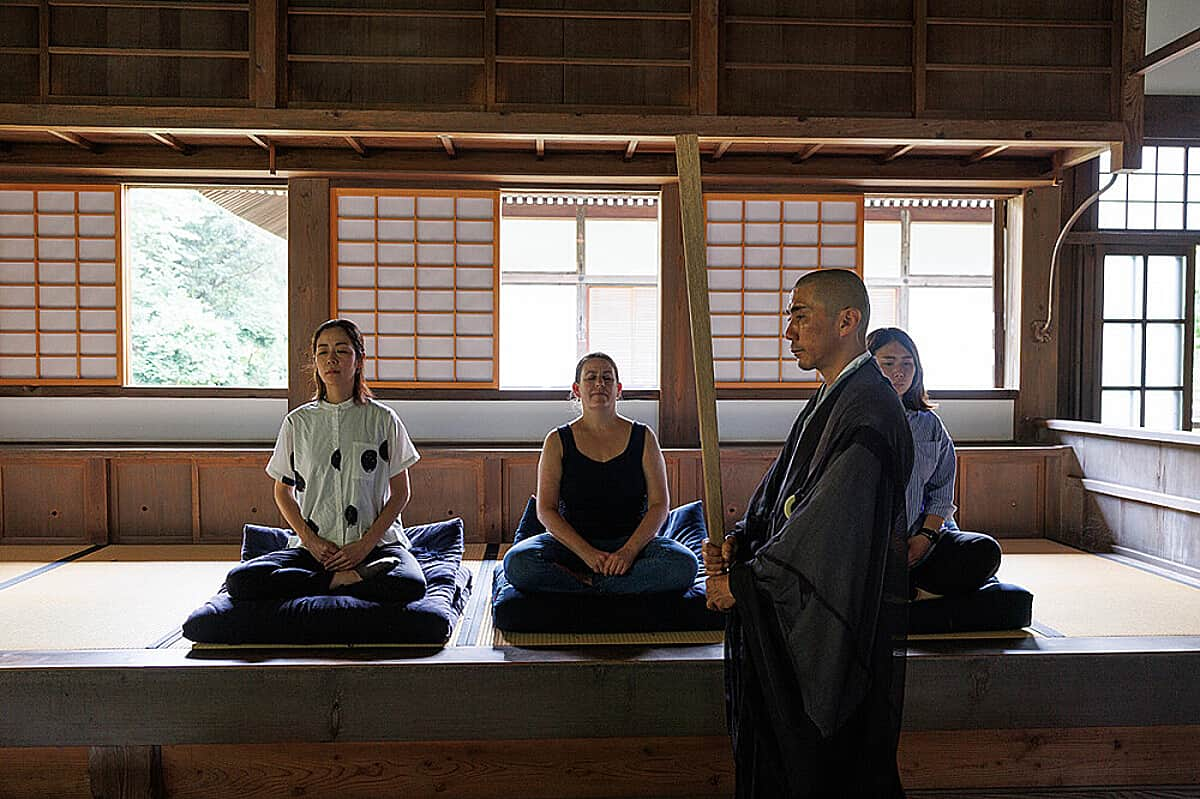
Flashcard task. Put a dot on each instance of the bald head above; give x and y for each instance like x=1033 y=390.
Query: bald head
x=837 y=289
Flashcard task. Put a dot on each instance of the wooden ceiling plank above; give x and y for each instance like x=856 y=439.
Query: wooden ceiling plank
x=878 y=132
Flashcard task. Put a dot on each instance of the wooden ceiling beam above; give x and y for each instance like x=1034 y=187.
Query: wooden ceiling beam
x=807 y=152
x=76 y=140
x=261 y=141
x=1074 y=156
x=722 y=148
x=448 y=145
x=630 y=149
x=881 y=132
x=1169 y=52
x=539 y=147
x=32 y=160
x=172 y=142
x=357 y=146
x=987 y=152
x=896 y=152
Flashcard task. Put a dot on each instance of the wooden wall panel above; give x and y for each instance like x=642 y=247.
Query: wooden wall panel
x=447 y=486
x=152 y=502
x=233 y=494
x=205 y=496
x=1002 y=496
x=519 y=476
x=43 y=502
x=44 y=772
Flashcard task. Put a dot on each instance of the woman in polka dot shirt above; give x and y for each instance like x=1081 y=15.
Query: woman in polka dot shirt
x=341 y=479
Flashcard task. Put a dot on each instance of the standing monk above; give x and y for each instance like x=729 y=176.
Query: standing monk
x=816 y=575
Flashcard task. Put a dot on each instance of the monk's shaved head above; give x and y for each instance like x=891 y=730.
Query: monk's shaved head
x=836 y=290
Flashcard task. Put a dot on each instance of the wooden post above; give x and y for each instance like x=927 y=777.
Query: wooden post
x=691 y=208
x=308 y=277
x=1038 y=397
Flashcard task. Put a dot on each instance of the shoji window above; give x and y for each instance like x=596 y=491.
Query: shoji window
x=60 y=285
x=418 y=272
x=758 y=245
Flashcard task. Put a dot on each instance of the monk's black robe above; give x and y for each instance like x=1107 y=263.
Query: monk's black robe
x=814 y=650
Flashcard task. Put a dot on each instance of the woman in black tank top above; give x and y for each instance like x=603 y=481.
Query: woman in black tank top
x=602 y=496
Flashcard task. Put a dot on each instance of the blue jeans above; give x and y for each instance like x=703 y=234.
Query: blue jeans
x=543 y=564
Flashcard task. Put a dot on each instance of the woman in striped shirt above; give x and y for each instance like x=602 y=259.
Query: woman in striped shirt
x=943 y=559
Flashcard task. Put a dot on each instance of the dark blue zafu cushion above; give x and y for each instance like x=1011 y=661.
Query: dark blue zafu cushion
x=995 y=606
x=340 y=619
x=515 y=611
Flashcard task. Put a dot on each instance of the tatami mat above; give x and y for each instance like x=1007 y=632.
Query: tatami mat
x=19 y=559
x=1080 y=594
x=115 y=598
x=119 y=597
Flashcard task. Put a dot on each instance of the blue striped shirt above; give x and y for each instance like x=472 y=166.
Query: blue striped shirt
x=931 y=486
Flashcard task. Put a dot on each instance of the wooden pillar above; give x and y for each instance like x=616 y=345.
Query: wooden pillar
x=1129 y=17
x=125 y=772
x=308 y=278
x=95 y=499
x=1038 y=228
x=678 y=423
x=691 y=208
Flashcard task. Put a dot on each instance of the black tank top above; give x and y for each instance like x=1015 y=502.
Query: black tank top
x=603 y=500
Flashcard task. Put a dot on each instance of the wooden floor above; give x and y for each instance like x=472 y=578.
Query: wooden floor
x=1082 y=705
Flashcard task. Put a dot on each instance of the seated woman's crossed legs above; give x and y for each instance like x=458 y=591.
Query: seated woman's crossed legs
x=543 y=564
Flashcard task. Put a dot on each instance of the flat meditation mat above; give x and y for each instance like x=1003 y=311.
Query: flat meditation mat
x=20 y=559
x=119 y=597
x=676 y=637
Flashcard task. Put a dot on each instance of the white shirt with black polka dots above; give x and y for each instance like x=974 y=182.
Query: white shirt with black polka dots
x=340 y=459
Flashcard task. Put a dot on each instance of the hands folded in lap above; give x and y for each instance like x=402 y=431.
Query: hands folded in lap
x=610 y=564
x=335 y=558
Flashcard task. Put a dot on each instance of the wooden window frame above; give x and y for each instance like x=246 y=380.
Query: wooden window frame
x=1145 y=244
x=417 y=194
x=1190 y=151
x=118 y=331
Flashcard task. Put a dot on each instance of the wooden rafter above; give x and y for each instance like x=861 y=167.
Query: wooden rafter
x=722 y=148
x=1185 y=44
x=448 y=145
x=261 y=141
x=75 y=139
x=987 y=152
x=896 y=152
x=807 y=152
x=630 y=149
x=357 y=146
x=540 y=147
x=172 y=142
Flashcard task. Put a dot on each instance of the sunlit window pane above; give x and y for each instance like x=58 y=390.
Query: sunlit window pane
x=1164 y=355
x=1120 y=408
x=881 y=249
x=1193 y=216
x=951 y=248
x=1163 y=409
x=623 y=322
x=1123 y=287
x=1140 y=216
x=537 y=336
x=1112 y=215
x=537 y=245
x=1170 y=160
x=621 y=246
x=952 y=328
x=884 y=307
x=1165 y=299
x=1169 y=216
x=207 y=272
x=1122 y=348
x=1141 y=187
x=1170 y=188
